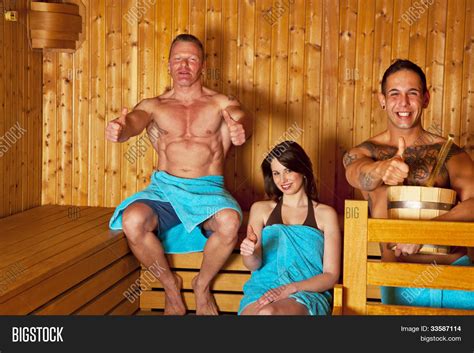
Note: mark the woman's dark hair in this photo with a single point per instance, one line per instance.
(292, 156)
(399, 65)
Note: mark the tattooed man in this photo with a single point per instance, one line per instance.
(406, 153)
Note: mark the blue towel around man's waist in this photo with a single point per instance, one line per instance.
(194, 201)
(433, 298)
(290, 253)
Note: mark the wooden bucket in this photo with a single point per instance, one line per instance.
(420, 202)
(54, 26)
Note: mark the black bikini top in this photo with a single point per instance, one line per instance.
(275, 216)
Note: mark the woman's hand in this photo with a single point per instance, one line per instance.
(247, 247)
(276, 294)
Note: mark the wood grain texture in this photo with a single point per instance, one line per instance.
(279, 58)
(409, 275)
(20, 115)
(362, 276)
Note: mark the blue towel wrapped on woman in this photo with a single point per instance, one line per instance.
(293, 245)
(291, 253)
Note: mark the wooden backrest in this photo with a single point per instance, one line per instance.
(361, 273)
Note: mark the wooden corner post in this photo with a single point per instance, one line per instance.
(355, 257)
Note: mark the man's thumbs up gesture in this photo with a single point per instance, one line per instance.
(247, 247)
(114, 129)
(236, 129)
(395, 170)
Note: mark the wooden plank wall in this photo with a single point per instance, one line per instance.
(20, 115)
(309, 69)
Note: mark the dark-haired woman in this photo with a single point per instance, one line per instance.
(293, 244)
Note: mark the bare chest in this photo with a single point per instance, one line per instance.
(421, 160)
(194, 120)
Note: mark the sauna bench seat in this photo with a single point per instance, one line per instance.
(63, 260)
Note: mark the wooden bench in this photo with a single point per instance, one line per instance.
(61, 260)
(226, 288)
(364, 273)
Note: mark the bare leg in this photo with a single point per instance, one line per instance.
(139, 222)
(287, 306)
(219, 246)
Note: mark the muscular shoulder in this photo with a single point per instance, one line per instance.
(373, 148)
(225, 101)
(459, 158)
(148, 104)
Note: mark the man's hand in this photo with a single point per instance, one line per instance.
(394, 170)
(236, 130)
(405, 249)
(247, 247)
(276, 294)
(115, 128)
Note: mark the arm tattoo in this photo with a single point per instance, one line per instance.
(348, 159)
(379, 152)
(420, 158)
(366, 180)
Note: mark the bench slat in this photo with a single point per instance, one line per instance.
(421, 232)
(57, 263)
(412, 275)
(194, 260)
(384, 309)
(30, 215)
(37, 229)
(125, 308)
(91, 288)
(109, 299)
(33, 297)
(156, 300)
(222, 282)
(43, 241)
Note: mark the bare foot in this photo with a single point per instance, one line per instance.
(205, 302)
(174, 304)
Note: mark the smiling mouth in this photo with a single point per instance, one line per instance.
(403, 115)
(286, 186)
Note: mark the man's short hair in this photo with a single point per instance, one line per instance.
(184, 37)
(401, 64)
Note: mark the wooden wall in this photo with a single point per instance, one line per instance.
(20, 115)
(309, 70)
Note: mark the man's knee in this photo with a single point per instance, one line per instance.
(136, 221)
(227, 222)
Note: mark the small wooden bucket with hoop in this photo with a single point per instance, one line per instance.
(420, 202)
(423, 202)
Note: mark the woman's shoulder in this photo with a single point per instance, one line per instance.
(322, 210)
(321, 206)
(263, 208)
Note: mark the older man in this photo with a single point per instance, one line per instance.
(192, 128)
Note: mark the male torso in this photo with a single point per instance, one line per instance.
(421, 158)
(191, 137)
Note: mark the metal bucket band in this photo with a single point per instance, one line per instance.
(427, 205)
